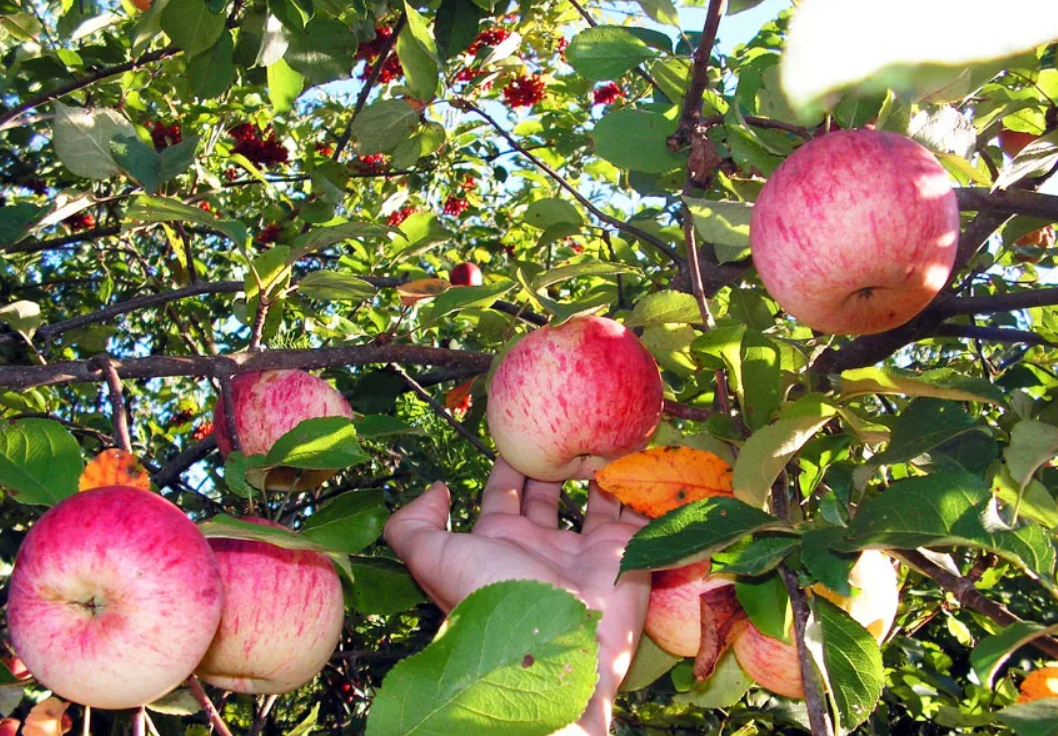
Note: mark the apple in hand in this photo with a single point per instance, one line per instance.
(267, 406)
(775, 665)
(566, 400)
(282, 616)
(114, 598)
(466, 274)
(855, 232)
(674, 615)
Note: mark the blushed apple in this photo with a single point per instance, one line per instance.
(856, 232)
(566, 400)
(466, 274)
(283, 614)
(114, 598)
(267, 406)
(775, 665)
(674, 615)
(9, 726)
(1012, 141)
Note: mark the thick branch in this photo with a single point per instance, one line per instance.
(992, 334)
(1010, 202)
(1000, 302)
(173, 469)
(25, 377)
(7, 117)
(691, 113)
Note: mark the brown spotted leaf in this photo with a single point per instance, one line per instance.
(722, 620)
(114, 467)
(416, 291)
(655, 481)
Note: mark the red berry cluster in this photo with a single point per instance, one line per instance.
(258, 149)
(231, 173)
(324, 149)
(455, 206)
(81, 221)
(607, 94)
(163, 135)
(561, 46)
(268, 234)
(469, 184)
(371, 50)
(374, 163)
(469, 74)
(524, 91)
(574, 245)
(396, 218)
(205, 206)
(202, 431)
(488, 37)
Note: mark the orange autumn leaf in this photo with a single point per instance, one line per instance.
(415, 291)
(1041, 683)
(658, 480)
(458, 398)
(46, 719)
(114, 467)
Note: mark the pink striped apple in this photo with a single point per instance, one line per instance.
(566, 400)
(283, 614)
(114, 598)
(267, 406)
(674, 616)
(855, 232)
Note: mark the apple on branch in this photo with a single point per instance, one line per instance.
(566, 400)
(282, 617)
(674, 615)
(466, 274)
(856, 232)
(114, 598)
(267, 405)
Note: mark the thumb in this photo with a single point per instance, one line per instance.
(419, 525)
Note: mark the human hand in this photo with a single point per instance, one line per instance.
(517, 537)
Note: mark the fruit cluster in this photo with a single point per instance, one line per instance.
(149, 601)
(607, 94)
(488, 37)
(397, 217)
(455, 206)
(81, 221)
(260, 147)
(524, 91)
(163, 135)
(369, 51)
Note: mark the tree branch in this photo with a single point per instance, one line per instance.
(20, 378)
(36, 246)
(102, 364)
(1000, 302)
(176, 466)
(1009, 202)
(992, 334)
(691, 112)
(442, 412)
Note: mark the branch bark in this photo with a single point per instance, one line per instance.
(1009, 202)
(691, 112)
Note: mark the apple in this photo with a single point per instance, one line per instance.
(267, 406)
(567, 399)
(855, 232)
(1013, 141)
(114, 598)
(466, 274)
(283, 613)
(9, 726)
(674, 615)
(775, 665)
(17, 668)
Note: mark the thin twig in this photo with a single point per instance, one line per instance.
(257, 331)
(691, 112)
(685, 411)
(639, 71)
(262, 715)
(36, 246)
(207, 705)
(993, 303)
(117, 402)
(442, 412)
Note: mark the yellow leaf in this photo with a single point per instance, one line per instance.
(114, 467)
(46, 719)
(415, 291)
(655, 481)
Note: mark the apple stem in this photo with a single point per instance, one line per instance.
(139, 722)
(207, 705)
(102, 364)
(262, 715)
(86, 725)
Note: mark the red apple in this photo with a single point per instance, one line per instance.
(282, 616)
(114, 598)
(856, 232)
(466, 274)
(566, 400)
(1012, 141)
(267, 406)
(9, 726)
(775, 665)
(674, 616)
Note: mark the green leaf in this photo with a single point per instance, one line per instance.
(1035, 159)
(636, 139)
(1038, 718)
(235, 467)
(829, 567)
(665, 307)
(606, 52)
(853, 664)
(213, 71)
(383, 587)
(823, 56)
(694, 532)
(1033, 502)
(334, 286)
(518, 659)
(177, 159)
(944, 509)
(138, 160)
(223, 526)
(760, 556)
(661, 11)
(349, 523)
(724, 224)
(323, 443)
(321, 237)
(648, 664)
(308, 724)
(417, 52)
(82, 139)
(761, 378)
(163, 209)
(285, 85)
(936, 428)
(1031, 445)
(323, 51)
(192, 25)
(422, 231)
(15, 221)
(577, 270)
(40, 462)
(22, 316)
(990, 654)
(767, 604)
(543, 213)
(723, 689)
(942, 383)
(456, 25)
(767, 451)
(382, 425)
(383, 125)
(468, 297)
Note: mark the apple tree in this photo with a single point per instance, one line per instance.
(390, 194)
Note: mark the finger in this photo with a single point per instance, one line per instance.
(540, 503)
(418, 531)
(603, 508)
(628, 516)
(503, 490)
